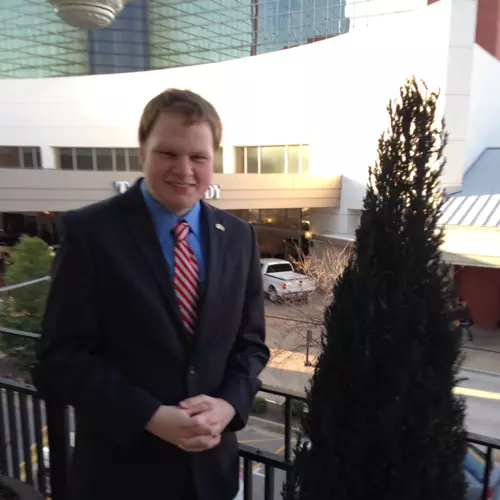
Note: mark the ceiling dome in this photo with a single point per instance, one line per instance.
(88, 14)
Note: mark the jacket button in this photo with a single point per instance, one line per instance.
(192, 371)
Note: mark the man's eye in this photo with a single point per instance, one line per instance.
(199, 158)
(167, 154)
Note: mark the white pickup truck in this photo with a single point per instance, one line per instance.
(282, 282)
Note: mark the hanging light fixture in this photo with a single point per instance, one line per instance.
(88, 14)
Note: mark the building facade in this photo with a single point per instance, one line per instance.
(300, 129)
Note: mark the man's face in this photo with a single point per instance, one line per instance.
(177, 160)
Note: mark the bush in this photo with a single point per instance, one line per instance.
(23, 308)
(259, 405)
(299, 408)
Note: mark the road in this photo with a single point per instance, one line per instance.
(482, 392)
(258, 436)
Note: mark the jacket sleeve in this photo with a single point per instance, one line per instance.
(250, 354)
(69, 368)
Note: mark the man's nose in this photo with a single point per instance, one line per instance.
(183, 166)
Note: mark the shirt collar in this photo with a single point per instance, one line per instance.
(165, 220)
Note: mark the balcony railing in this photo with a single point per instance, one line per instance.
(30, 427)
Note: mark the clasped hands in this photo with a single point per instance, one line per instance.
(195, 425)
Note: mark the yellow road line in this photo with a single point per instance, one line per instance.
(245, 441)
(277, 451)
(476, 393)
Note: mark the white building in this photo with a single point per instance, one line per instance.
(300, 130)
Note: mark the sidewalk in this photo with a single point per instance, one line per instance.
(286, 368)
(483, 353)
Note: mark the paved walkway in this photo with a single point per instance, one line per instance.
(287, 370)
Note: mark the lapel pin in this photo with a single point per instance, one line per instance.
(220, 227)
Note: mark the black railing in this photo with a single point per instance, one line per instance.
(30, 427)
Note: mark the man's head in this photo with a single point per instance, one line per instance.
(179, 132)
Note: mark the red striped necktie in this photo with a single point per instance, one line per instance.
(186, 277)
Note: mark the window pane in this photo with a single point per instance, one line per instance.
(218, 166)
(104, 157)
(293, 159)
(66, 158)
(239, 158)
(272, 160)
(133, 160)
(9, 157)
(38, 155)
(293, 217)
(305, 159)
(84, 159)
(28, 158)
(121, 164)
(252, 160)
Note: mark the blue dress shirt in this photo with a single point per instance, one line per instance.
(165, 221)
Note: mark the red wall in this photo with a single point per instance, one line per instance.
(480, 288)
(487, 26)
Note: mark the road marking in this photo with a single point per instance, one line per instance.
(476, 393)
(34, 454)
(245, 441)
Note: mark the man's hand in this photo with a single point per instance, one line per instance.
(177, 425)
(214, 412)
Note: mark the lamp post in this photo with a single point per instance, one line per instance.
(308, 342)
(88, 14)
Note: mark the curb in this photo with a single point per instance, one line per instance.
(482, 372)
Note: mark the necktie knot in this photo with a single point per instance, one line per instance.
(181, 231)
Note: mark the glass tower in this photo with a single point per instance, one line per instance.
(34, 43)
(154, 34)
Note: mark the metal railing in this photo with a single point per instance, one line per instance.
(30, 427)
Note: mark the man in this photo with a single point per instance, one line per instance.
(466, 320)
(154, 327)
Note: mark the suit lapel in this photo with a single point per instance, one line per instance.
(142, 228)
(216, 240)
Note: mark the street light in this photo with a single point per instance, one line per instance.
(88, 14)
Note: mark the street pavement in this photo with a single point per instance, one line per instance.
(259, 436)
(482, 393)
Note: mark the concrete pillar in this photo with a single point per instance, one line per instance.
(228, 159)
(50, 157)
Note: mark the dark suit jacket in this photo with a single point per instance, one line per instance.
(114, 348)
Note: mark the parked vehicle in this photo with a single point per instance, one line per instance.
(282, 282)
(474, 464)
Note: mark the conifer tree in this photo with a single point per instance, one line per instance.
(383, 422)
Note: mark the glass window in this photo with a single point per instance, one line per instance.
(121, 161)
(293, 217)
(104, 158)
(133, 160)
(272, 160)
(28, 157)
(305, 159)
(218, 162)
(239, 158)
(252, 160)
(254, 216)
(9, 157)
(84, 159)
(66, 158)
(293, 159)
(280, 268)
(38, 155)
